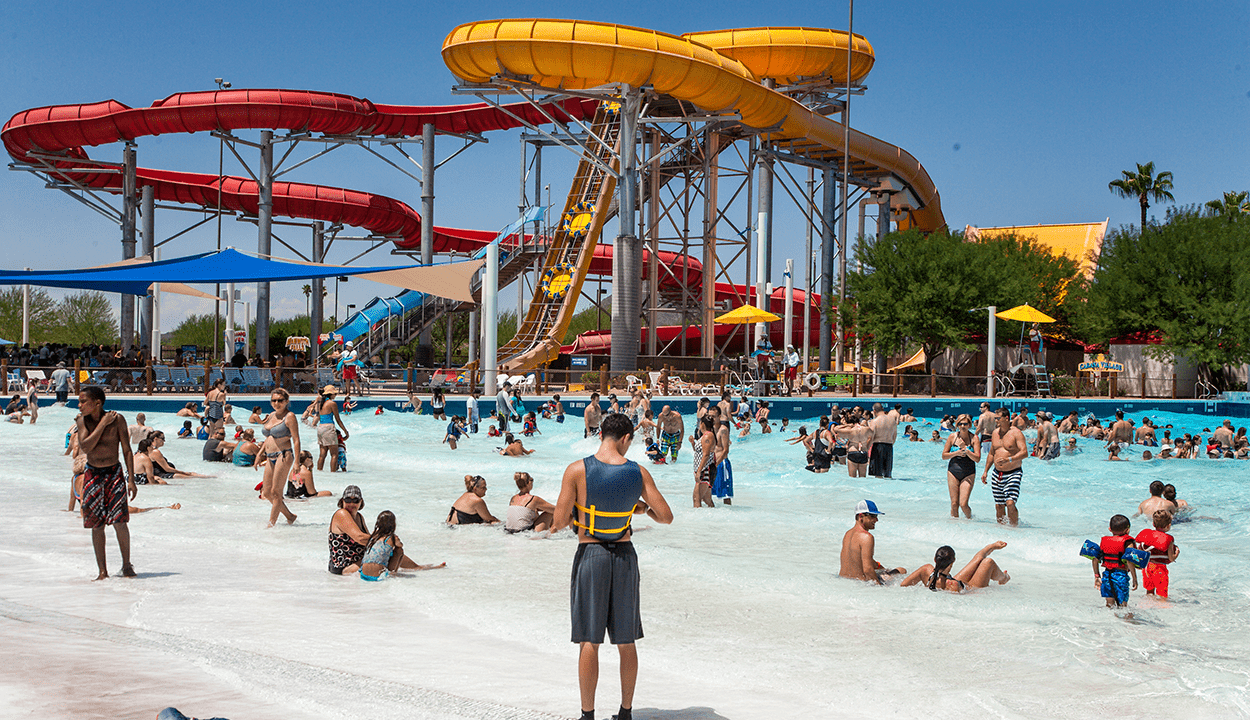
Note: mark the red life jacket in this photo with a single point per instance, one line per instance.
(1157, 542)
(1112, 548)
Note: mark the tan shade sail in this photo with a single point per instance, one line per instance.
(915, 361)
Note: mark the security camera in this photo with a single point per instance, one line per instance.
(217, 80)
(225, 84)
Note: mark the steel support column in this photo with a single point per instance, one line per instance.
(127, 325)
(627, 253)
(828, 255)
(317, 306)
(148, 211)
(490, 319)
(653, 221)
(427, 209)
(807, 267)
(763, 236)
(264, 227)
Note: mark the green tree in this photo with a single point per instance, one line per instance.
(1189, 280)
(918, 290)
(1145, 186)
(42, 314)
(1232, 205)
(85, 317)
(590, 318)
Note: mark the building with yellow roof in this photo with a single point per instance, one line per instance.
(1080, 241)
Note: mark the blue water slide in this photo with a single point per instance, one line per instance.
(380, 308)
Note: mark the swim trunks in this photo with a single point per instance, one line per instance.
(881, 462)
(1115, 585)
(670, 444)
(1052, 452)
(859, 457)
(104, 500)
(723, 486)
(349, 372)
(1006, 486)
(327, 435)
(603, 593)
(1155, 577)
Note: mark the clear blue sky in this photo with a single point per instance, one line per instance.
(1020, 112)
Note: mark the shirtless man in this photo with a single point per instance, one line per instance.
(1224, 435)
(107, 488)
(858, 439)
(1155, 502)
(884, 432)
(1146, 434)
(858, 545)
(1121, 430)
(1022, 421)
(139, 431)
(1070, 424)
(1007, 452)
(1047, 445)
(761, 417)
(557, 408)
(593, 416)
(985, 423)
(726, 410)
(723, 485)
(672, 432)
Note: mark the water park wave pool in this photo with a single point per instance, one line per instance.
(743, 610)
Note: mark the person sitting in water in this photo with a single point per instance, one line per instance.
(493, 431)
(300, 483)
(257, 418)
(527, 511)
(144, 474)
(455, 429)
(217, 448)
(857, 561)
(348, 533)
(1114, 453)
(228, 414)
(978, 573)
(189, 410)
(247, 449)
(186, 433)
(1072, 449)
(384, 552)
(349, 405)
(654, 453)
(530, 426)
(513, 447)
(164, 468)
(935, 437)
(379, 411)
(470, 508)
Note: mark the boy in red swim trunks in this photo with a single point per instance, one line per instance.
(1163, 551)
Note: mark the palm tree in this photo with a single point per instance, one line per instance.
(1145, 186)
(1233, 205)
(307, 299)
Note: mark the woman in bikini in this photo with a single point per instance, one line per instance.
(978, 573)
(470, 508)
(161, 467)
(963, 451)
(527, 511)
(278, 453)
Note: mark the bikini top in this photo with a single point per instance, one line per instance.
(942, 578)
(277, 431)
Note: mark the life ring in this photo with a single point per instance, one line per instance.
(576, 222)
(812, 381)
(557, 281)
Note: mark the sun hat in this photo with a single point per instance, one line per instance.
(867, 507)
(329, 390)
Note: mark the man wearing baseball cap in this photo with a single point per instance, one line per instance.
(857, 547)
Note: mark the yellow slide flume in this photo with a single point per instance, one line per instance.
(715, 71)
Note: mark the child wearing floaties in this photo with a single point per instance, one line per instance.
(1163, 551)
(493, 432)
(342, 456)
(1119, 558)
(530, 426)
(185, 432)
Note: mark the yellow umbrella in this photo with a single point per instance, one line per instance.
(1025, 313)
(746, 315)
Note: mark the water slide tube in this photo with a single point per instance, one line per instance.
(715, 71)
(57, 134)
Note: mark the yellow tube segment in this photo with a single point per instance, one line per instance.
(791, 54)
(576, 55)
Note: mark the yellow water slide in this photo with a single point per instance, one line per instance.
(720, 71)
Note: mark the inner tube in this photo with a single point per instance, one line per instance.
(812, 381)
(557, 280)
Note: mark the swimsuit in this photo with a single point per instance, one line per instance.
(1006, 485)
(670, 444)
(242, 459)
(275, 456)
(295, 492)
(859, 457)
(942, 578)
(961, 467)
(521, 517)
(104, 500)
(140, 478)
(464, 518)
(214, 410)
(344, 551)
(881, 462)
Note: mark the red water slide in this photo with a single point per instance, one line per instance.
(57, 135)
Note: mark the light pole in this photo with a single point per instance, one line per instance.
(221, 157)
(337, 280)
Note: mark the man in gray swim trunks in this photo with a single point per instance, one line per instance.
(599, 495)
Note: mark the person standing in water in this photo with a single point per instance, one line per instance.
(592, 416)
(963, 451)
(106, 488)
(280, 449)
(599, 495)
(884, 432)
(1008, 449)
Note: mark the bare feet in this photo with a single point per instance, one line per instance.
(176, 506)
(998, 545)
(129, 571)
(728, 501)
(104, 575)
(291, 520)
(1006, 578)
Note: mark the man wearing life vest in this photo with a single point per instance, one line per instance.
(600, 495)
(1163, 551)
(1113, 584)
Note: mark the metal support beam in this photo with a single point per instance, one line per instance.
(264, 225)
(653, 223)
(810, 199)
(127, 329)
(827, 268)
(763, 237)
(317, 306)
(490, 319)
(711, 177)
(148, 211)
(627, 253)
(427, 206)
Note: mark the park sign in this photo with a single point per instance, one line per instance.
(1100, 363)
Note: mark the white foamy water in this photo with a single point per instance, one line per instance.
(743, 612)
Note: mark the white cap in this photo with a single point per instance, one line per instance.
(867, 506)
(349, 343)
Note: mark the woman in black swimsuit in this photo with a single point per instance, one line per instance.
(963, 450)
(978, 573)
(470, 508)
